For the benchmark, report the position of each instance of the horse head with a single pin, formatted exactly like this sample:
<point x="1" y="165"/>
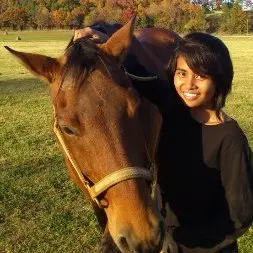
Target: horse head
<point x="97" y="123"/>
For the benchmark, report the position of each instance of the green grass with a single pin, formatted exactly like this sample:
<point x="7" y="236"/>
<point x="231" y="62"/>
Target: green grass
<point x="36" y="35"/>
<point x="41" y="210"/>
<point x="240" y="102"/>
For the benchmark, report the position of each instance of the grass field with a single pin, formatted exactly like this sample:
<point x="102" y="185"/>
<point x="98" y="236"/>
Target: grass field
<point x="40" y="208"/>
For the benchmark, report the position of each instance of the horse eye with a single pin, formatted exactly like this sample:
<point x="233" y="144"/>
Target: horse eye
<point x="67" y="130"/>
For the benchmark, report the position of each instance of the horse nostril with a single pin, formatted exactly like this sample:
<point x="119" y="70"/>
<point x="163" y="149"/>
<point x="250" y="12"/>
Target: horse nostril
<point x="123" y="244"/>
<point x="127" y="241"/>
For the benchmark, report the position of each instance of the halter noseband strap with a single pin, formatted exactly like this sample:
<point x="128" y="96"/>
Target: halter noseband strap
<point x="109" y="180"/>
<point x="117" y="177"/>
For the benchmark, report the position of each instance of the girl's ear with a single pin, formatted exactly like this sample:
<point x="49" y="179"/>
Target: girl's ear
<point x="44" y="67"/>
<point x="119" y="43"/>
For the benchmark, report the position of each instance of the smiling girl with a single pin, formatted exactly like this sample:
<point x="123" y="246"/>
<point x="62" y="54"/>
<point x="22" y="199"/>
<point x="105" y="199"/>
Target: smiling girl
<point x="204" y="159"/>
<point x="205" y="162"/>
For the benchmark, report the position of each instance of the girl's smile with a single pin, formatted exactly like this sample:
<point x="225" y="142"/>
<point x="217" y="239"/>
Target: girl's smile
<point x="190" y="96"/>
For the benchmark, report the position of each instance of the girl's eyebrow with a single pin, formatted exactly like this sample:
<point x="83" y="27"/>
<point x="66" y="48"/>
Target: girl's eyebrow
<point x="181" y="69"/>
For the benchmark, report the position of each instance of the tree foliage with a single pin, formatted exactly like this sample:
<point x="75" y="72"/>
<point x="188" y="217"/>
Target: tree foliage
<point x="43" y="18"/>
<point x="233" y="19"/>
<point x="179" y="15"/>
<point x="13" y="17"/>
<point x="197" y="21"/>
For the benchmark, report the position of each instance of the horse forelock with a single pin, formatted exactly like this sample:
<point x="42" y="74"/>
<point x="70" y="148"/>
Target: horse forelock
<point x="82" y="57"/>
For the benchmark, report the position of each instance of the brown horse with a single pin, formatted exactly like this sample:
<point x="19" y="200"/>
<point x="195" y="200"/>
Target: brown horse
<point x="101" y="124"/>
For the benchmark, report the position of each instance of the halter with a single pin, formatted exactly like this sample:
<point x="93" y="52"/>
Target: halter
<point x="95" y="189"/>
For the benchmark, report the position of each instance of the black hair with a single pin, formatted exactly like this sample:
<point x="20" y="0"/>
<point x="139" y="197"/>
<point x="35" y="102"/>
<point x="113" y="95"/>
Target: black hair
<point x="206" y="55"/>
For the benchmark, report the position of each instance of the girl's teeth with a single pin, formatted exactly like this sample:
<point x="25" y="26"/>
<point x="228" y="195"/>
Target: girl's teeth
<point x="190" y="94"/>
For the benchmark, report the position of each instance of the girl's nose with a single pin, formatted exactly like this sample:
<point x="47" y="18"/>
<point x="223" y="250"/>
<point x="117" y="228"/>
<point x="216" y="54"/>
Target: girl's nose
<point x="191" y="82"/>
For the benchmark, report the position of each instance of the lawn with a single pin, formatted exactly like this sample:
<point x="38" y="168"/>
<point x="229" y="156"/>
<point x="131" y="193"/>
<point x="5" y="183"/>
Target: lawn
<point x="41" y="210"/>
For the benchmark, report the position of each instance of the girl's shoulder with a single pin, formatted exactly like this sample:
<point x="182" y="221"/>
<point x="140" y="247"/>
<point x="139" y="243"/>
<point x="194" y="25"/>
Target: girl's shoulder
<point x="228" y="133"/>
<point x="230" y="127"/>
<point x="231" y="135"/>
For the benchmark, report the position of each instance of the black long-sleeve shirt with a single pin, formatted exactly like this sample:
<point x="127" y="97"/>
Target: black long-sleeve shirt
<point x="205" y="174"/>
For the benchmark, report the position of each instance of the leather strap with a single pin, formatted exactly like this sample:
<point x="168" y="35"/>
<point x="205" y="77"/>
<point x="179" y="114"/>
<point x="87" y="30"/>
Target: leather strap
<point x="117" y="177"/>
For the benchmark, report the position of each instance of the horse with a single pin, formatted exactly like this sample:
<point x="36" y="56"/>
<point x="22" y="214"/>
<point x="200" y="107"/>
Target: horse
<point x="106" y="131"/>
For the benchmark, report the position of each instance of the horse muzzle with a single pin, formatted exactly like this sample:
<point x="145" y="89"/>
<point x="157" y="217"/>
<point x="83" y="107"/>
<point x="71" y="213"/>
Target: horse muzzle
<point x="127" y="241"/>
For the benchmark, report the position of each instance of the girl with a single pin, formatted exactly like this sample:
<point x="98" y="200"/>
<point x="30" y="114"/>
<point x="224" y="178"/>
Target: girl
<point x="204" y="160"/>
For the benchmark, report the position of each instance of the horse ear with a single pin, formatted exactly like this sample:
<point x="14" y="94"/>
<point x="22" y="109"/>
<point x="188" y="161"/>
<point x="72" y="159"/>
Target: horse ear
<point x="40" y="65"/>
<point x="118" y="44"/>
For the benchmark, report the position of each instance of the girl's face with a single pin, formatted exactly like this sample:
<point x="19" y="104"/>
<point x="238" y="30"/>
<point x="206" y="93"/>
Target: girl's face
<point x="196" y="91"/>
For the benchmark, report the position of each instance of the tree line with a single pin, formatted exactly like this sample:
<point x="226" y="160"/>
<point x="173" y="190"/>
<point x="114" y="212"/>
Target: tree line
<point x="179" y="15"/>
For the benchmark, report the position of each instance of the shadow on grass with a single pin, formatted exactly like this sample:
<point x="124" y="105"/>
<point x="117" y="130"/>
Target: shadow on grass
<point x="37" y="165"/>
<point x="15" y="177"/>
<point x="23" y="85"/>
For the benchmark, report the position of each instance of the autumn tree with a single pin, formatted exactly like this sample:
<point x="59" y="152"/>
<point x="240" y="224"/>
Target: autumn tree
<point x="67" y="5"/>
<point x="31" y="8"/>
<point x="213" y="23"/>
<point x="13" y="17"/>
<point x="43" y="18"/>
<point x="76" y="18"/>
<point x="175" y="15"/>
<point x="60" y="18"/>
<point x="233" y="19"/>
<point x="124" y="4"/>
<point x="225" y="17"/>
<point x="238" y="19"/>
<point x="197" y="20"/>
<point x="109" y="14"/>
<point x="5" y="4"/>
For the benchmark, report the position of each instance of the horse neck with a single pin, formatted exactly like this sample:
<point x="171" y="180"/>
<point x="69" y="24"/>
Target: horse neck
<point x="154" y="47"/>
<point x="147" y="58"/>
<point x="150" y="117"/>
<point x="151" y="121"/>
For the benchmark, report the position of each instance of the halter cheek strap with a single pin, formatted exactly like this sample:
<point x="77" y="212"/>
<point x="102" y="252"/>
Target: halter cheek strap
<point x="108" y="181"/>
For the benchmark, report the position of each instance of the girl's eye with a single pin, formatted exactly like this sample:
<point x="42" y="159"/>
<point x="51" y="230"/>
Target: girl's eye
<point x="201" y="78"/>
<point x="180" y="73"/>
